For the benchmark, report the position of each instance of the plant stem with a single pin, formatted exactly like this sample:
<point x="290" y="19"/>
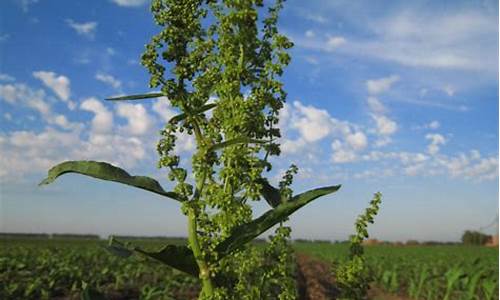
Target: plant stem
<point x="208" y="287"/>
<point x="207" y="284"/>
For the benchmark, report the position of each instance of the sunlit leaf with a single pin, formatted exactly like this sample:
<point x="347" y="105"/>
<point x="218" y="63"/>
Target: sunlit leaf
<point x="105" y="171"/>
<point x="247" y="232"/>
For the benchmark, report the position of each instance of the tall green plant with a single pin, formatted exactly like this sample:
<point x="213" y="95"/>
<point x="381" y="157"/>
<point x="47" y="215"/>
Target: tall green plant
<point x="219" y="63"/>
<point x="353" y="276"/>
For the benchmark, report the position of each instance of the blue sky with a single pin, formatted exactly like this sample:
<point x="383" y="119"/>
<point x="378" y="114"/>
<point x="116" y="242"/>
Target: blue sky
<point x="399" y="97"/>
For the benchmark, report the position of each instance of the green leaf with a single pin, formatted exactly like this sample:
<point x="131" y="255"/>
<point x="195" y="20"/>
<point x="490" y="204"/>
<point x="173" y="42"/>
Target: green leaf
<point x="238" y="140"/>
<point x="105" y="171"/>
<point x="119" y="251"/>
<point x="247" y="232"/>
<point x="199" y="110"/>
<point x="136" y="97"/>
<point x="177" y="257"/>
<point x="271" y="194"/>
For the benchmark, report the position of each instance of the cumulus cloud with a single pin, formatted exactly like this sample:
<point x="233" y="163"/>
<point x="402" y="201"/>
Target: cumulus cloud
<point x="436" y="141"/>
<point x="471" y="166"/>
<point x="313" y="124"/>
<point x="102" y="121"/>
<point x="108" y="79"/>
<point x="138" y="120"/>
<point x="86" y="29"/>
<point x="163" y="108"/>
<point x="333" y="42"/>
<point x="357" y="140"/>
<point x="433" y="125"/>
<point x="342" y="153"/>
<point x="385" y="126"/>
<point x="60" y="85"/>
<point x="19" y="94"/>
<point x="378" y="86"/>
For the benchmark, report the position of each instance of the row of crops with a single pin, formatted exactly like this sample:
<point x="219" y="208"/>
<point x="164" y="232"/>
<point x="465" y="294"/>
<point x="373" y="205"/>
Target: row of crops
<point x="51" y="269"/>
<point x="48" y="269"/>
<point x="425" y="272"/>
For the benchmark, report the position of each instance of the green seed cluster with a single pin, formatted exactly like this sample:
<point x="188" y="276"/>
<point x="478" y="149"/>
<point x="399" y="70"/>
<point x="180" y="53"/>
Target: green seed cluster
<point x="220" y="53"/>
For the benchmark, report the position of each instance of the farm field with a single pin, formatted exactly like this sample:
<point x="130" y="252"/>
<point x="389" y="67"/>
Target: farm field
<point x="58" y="269"/>
<point x="424" y="272"/>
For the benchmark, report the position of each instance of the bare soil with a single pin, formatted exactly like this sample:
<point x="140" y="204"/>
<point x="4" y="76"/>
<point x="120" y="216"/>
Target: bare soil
<point x="315" y="282"/>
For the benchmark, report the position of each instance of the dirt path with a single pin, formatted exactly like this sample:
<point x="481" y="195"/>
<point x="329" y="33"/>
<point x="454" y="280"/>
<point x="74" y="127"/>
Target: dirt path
<point x="315" y="282"/>
<point x="314" y="279"/>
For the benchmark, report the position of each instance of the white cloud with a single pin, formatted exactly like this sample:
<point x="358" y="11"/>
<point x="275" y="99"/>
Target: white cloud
<point x="475" y="154"/>
<point x="310" y="34"/>
<point x="385" y="126"/>
<point x="60" y="85"/>
<point x="130" y="3"/>
<point x="333" y="42"/>
<point x="28" y="152"/>
<point x="471" y="166"/>
<point x="138" y="120"/>
<point x="341" y="153"/>
<point x="453" y="40"/>
<point x="163" y="108"/>
<point x="22" y="95"/>
<point x="8" y="93"/>
<point x="6" y="77"/>
<point x="357" y="140"/>
<point x="375" y="105"/>
<point x="289" y="146"/>
<point x="313" y="124"/>
<point x="102" y="123"/>
<point x="314" y="17"/>
<point x="378" y="86"/>
<point x="108" y="79"/>
<point x="434" y="125"/>
<point x="86" y="29"/>
<point x="436" y="140"/>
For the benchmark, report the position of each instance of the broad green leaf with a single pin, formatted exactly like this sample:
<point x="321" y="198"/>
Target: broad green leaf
<point x="183" y="116"/>
<point x="136" y="97"/>
<point x="177" y="257"/>
<point x="105" y="171"/>
<point x="247" y="232"/>
<point x="119" y="251"/>
<point x="238" y="140"/>
<point x="271" y="194"/>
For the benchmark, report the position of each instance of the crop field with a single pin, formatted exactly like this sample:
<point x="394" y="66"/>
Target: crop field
<point x="424" y="272"/>
<point x="58" y="269"/>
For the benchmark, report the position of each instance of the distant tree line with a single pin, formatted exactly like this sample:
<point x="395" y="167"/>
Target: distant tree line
<point x="14" y="235"/>
<point x="475" y="238"/>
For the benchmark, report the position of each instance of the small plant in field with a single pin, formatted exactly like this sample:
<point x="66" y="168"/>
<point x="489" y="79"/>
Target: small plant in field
<point x="218" y="63"/>
<point x="353" y="276"/>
